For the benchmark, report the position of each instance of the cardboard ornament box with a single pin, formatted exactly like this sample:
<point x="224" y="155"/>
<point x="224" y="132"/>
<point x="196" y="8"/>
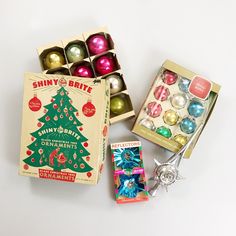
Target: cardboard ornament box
<point x="67" y="67"/>
<point x="65" y="126"/>
<point x="178" y="102"/>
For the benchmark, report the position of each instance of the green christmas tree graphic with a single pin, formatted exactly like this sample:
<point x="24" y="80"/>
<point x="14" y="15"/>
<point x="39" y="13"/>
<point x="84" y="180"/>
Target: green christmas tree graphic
<point x="58" y="143"/>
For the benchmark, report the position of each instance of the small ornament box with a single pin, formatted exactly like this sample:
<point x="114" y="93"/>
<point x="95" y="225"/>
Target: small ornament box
<point x="90" y="55"/>
<point x="129" y="176"/>
<point x="64" y="127"/>
<point x="178" y="102"/>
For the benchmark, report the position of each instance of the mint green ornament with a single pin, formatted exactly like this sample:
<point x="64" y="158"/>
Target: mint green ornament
<point x="163" y="131"/>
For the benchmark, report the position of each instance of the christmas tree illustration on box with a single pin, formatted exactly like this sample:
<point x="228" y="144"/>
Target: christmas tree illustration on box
<point x="58" y="142"/>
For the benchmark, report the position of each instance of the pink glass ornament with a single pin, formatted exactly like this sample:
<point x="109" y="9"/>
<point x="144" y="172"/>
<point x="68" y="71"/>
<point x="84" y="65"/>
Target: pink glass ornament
<point x="154" y="109"/>
<point x="161" y="93"/>
<point x="83" y="71"/>
<point x="105" y="65"/>
<point x="169" y="77"/>
<point x="97" y="44"/>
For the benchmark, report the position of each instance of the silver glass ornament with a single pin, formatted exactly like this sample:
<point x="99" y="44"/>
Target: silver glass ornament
<point x="178" y="100"/>
<point x="167" y="173"/>
<point x="116" y="83"/>
<point x="148" y="124"/>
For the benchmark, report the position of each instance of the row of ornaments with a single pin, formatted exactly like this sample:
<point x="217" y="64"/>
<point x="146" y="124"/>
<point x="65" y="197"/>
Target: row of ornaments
<point x="66" y="54"/>
<point x="92" y="58"/>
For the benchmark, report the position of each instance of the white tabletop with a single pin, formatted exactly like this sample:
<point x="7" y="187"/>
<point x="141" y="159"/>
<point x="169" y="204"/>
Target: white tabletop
<point x="199" y="35"/>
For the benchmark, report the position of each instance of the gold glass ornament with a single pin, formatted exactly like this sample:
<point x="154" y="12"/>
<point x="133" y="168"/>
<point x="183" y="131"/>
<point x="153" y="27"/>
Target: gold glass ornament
<point x="53" y="60"/>
<point x="179" y="138"/>
<point x="117" y="105"/>
<point x="170" y="117"/>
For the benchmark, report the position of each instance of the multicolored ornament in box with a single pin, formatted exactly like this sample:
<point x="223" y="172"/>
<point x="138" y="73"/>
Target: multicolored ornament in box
<point x="178" y="102"/>
<point x="64" y="127"/>
<point x="129" y="176"/>
<point x="90" y="55"/>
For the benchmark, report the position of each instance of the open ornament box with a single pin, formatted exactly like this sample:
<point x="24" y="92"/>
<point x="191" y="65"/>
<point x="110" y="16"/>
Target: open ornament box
<point x="87" y="65"/>
<point x="178" y="102"/>
<point x="64" y="127"/>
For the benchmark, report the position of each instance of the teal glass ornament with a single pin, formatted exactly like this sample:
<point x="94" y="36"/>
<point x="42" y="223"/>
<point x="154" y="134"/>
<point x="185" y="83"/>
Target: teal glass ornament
<point x="184" y="84"/>
<point x="195" y="109"/>
<point x="188" y="126"/>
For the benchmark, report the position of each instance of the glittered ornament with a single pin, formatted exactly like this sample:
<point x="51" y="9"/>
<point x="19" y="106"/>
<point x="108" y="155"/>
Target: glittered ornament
<point x="116" y="83"/>
<point x="183" y="85"/>
<point x="97" y="44"/>
<point x="170" y="117"/>
<point x="117" y="105"/>
<point x="179" y="138"/>
<point x="169" y="77"/>
<point x="188" y="126"/>
<point x="83" y="71"/>
<point x="75" y="53"/>
<point x="147" y="123"/>
<point x="161" y="93"/>
<point x="178" y="100"/>
<point x="104" y="65"/>
<point x="53" y="60"/>
<point x="153" y="109"/>
<point x="164" y="131"/>
<point x="195" y="109"/>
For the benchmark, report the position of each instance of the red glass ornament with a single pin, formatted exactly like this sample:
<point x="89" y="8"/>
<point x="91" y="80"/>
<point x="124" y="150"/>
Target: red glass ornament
<point x="32" y="138"/>
<point x="82" y="166"/>
<point x="34" y="103"/>
<point x="26" y="167"/>
<point x="85" y="144"/>
<point x="47" y="118"/>
<point x="169" y="77"/>
<point x="88" y="109"/>
<point x="105" y="65"/>
<point x="89" y="174"/>
<point x="87" y="158"/>
<point x="28" y="152"/>
<point x="154" y="109"/>
<point x="97" y="44"/>
<point x="39" y="124"/>
<point x="52" y="100"/>
<point x="81" y="128"/>
<point x="83" y="71"/>
<point x="55" y="106"/>
<point x="161" y="93"/>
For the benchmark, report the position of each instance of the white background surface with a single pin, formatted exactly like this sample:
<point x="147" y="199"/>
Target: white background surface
<point x="199" y="35"/>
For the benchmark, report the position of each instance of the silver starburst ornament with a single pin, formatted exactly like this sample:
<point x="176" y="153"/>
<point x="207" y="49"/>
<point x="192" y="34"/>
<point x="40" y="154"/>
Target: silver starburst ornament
<point x="167" y="173"/>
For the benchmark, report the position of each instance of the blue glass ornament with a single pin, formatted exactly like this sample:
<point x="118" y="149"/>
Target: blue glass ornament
<point x="195" y="109"/>
<point x="184" y="84"/>
<point x="188" y="126"/>
<point x="127" y="158"/>
<point x="130" y="186"/>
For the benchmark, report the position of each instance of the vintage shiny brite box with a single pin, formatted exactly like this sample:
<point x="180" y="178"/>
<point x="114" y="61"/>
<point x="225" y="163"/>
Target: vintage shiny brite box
<point x="178" y="102"/>
<point x="129" y="176"/>
<point x="64" y="127"/>
<point x="92" y="55"/>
